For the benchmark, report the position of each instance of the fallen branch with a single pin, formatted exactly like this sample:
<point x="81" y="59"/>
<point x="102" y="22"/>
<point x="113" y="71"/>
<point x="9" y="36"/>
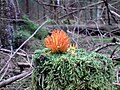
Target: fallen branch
<point x="111" y="56"/>
<point x="104" y="28"/>
<point x="23" y="65"/>
<point x="116" y="14"/>
<point x="116" y="59"/>
<point x="106" y="45"/>
<point x="16" y="20"/>
<point x="13" y="79"/>
<point x="9" y="51"/>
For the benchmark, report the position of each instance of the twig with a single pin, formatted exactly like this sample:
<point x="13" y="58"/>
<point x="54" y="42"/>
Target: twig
<point x="4" y="72"/>
<point x="118" y="84"/>
<point x="116" y="14"/>
<point x="116" y="59"/>
<point x="106" y="45"/>
<point x="117" y="75"/>
<point x="23" y="65"/>
<point x="9" y="51"/>
<point x="12" y="79"/>
<point x="113" y="52"/>
<point x="23" y="45"/>
<point x="109" y="12"/>
<point x="28" y="58"/>
<point x="16" y="20"/>
<point x="25" y="76"/>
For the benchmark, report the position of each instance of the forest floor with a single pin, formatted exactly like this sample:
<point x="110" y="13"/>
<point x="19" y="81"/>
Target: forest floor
<point x="89" y="43"/>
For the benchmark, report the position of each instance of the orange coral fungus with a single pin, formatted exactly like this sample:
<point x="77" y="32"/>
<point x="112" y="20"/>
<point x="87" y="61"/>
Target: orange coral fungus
<point x="58" y="41"/>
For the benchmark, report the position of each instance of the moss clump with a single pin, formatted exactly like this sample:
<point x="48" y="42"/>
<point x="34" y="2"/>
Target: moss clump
<point x="29" y="27"/>
<point x="81" y="71"/>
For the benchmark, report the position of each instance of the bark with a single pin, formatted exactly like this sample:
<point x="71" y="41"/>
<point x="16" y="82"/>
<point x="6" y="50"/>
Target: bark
<point x="7" y="11"/>
<point x="27" y="6"/>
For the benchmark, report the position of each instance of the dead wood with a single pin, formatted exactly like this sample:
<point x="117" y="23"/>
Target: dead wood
<point x="116" y="59"/>
<point x="92" y="29"/>
<point x="23" y="65"/>
<point x="106" y="45"/>
<point x="13" y="79"/>
<point x="9" y="51"/>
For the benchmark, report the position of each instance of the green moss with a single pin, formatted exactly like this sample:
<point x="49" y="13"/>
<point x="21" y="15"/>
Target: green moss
<point x="29" y="27"/>
<point x="82" y="71"/>
<point x="106" y="39"/>
<point x="51" y="22"/>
